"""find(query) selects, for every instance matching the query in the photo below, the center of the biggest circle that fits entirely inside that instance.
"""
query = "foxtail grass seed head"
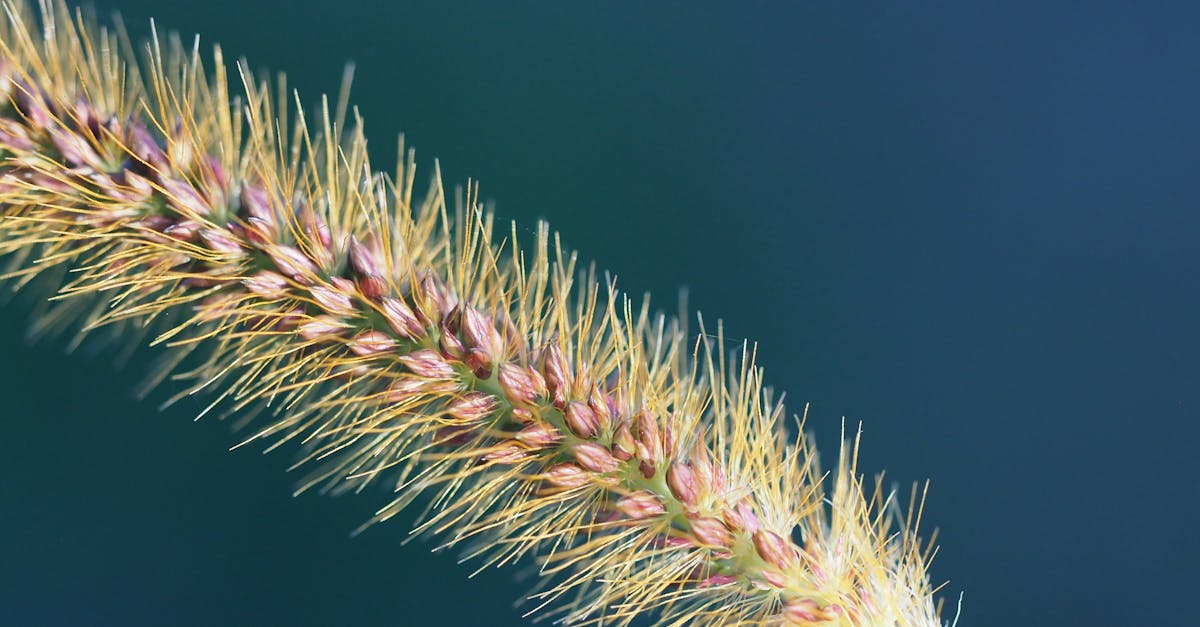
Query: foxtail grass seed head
(537, 411)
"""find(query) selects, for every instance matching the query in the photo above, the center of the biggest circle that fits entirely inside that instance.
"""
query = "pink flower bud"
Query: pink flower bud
(183, 230)
(807, 612)
(321, 327)
(450, 344)
(640, 505)
(775, 578)
(539, 435)
(623, 444)
(256, 205)
(291, 262)
(333, 301)
(259, 231)
(364, 261)
(473, 406)
(145, 147)
(220, 241)
(594, 457)
(406, 388)
(52, 183)
(76, 149)
(682, 482)
(774, 549)
(401, 319)
(517, 384)
(267, 284)
(427, 363)
(748, 517)
(566, 476)
(740, 518)
(668, 440)
(679, 543)
(599, 402)
(479, 363)
(184, 198)
(649, 445)
(717, 580)
(141, 187)
(539, 382)
(506, 453)
(346, 286)
(581, 420)
(312, 224)
(371, 287)
(481, 334)
(711, 532)
(437, 302)
(557, 375)
(214, 176)
(371, 343)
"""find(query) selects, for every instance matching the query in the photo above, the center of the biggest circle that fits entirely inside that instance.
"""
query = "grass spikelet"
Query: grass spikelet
(533, 410)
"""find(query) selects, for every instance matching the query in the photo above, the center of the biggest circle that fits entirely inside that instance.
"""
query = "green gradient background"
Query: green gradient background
(971, 228)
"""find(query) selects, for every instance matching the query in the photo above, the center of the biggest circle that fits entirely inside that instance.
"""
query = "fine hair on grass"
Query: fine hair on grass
(394, 336)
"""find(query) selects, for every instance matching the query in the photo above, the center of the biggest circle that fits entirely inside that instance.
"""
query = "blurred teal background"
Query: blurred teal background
(971, 226)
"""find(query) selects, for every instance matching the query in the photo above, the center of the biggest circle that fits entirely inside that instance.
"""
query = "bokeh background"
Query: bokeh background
(970, 226)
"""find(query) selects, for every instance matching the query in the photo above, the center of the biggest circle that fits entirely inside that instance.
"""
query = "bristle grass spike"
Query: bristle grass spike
(531, 409)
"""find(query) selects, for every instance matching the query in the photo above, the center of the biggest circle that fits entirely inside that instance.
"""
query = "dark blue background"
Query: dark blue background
(972, 228)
